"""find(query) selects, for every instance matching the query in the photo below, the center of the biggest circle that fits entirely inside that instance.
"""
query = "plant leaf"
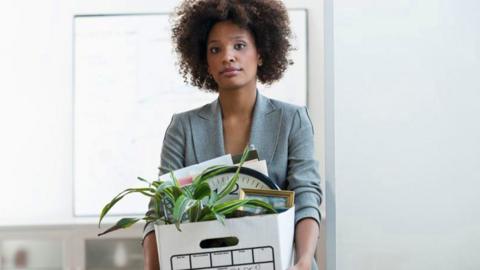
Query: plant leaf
(201, 190)
(121, 224)
(223, 208)
(174, 179)
(164, 185)
(229, 207)
(212, 200)
(220, 218)
(182, 205)
(194, 212)
(211, 172)
(262, 204)
(117, 198)
(233, 181)
(170, 190)
(144, 180)
(205, 172)
(229, 187)
(204, 212)
(188, 191)
(168, 194)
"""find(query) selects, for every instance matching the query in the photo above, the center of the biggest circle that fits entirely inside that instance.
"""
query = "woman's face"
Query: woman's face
(232, 56)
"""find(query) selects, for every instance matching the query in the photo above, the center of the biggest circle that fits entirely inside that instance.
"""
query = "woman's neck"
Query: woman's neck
(237, 103)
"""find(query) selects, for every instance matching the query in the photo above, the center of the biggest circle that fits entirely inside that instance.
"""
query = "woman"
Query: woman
(225, 46)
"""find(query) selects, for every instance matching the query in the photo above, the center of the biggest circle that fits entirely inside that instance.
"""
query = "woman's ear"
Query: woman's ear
(259, 60)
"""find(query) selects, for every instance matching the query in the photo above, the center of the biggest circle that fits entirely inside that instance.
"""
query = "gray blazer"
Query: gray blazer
(282, 134)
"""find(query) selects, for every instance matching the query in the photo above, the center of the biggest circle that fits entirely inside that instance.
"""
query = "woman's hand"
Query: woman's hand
(306, 235)
(301, 265)
(150, 253)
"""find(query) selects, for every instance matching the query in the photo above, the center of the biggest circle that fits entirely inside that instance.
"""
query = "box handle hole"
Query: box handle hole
(219, 242)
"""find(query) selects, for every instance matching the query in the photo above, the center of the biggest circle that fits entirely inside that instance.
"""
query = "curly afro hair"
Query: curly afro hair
(267, 20)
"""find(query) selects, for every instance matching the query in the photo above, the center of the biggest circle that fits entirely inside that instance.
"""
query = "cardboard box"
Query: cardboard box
(265, 242)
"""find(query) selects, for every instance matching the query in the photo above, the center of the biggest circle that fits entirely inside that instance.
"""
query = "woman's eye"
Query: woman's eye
(214, 50)
(239, 46)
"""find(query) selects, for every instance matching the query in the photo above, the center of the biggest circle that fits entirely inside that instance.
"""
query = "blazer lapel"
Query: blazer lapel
(265, 129)
(207, 131)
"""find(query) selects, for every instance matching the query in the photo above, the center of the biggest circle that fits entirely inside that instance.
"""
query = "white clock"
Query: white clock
(247, 178)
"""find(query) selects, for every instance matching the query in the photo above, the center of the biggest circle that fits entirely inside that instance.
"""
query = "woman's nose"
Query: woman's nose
(229, 56)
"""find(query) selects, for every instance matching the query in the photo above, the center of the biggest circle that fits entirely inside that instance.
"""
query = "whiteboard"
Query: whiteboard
(126, 88)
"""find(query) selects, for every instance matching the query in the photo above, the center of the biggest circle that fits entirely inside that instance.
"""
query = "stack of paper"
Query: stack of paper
(185, 175)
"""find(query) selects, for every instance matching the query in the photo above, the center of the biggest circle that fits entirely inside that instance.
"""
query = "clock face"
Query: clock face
(247, 178)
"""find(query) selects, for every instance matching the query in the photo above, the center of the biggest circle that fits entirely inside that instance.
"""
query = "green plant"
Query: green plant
(174, 204)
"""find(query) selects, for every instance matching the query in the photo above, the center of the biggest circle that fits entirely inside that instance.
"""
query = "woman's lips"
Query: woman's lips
(230, 72)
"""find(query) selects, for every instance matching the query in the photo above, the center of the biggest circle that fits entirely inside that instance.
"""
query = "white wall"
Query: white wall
(407, 134)
(35, 111)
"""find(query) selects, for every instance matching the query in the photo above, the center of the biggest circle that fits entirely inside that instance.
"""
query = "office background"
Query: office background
(393, 91)
(37, 102)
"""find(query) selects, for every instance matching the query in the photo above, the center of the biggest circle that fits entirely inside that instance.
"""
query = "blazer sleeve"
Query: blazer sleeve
(172, 156)
(303, 169)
